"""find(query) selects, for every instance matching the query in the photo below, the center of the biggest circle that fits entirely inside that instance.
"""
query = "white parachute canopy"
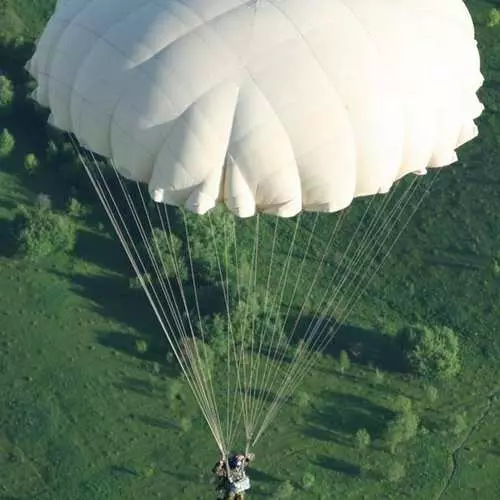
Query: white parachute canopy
(273, 105)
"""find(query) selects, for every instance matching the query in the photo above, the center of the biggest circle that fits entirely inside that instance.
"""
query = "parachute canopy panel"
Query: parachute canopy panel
(273, 105)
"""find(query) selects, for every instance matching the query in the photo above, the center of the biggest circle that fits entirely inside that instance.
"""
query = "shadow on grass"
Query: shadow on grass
(156, 422)
(139, 386)
(364, 347)
(102, 250)
(467, 261)
(6, 241)
(343, 415)
(339, 465)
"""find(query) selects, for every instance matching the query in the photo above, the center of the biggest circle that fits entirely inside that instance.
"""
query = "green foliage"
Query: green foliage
(404, 426)
(141, 346)
(40, 232)
(402, 404)
(285, 490)
(493, 18)
(344, 361)
(431, 393)
(362, 439)
(303, 399)
(378, 376)
(395, 472)
(459, 423)
(6, 92)
(77, 209)
(175, 390)
(7, 143)
(308, 480)
(208, 240)
(168, 253)
(431, 352)
(185, 424)
(30, 163)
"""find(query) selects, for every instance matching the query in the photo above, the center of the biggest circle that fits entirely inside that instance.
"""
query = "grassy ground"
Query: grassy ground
(83, 415)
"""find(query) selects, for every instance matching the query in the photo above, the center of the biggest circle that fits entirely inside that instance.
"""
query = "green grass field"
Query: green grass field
(85, 415)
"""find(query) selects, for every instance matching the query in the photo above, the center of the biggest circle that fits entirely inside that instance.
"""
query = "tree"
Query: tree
(6, 92)
(404, 426)
(40, 232)
(362, 439)
(430, 352)
(167, 251)
(344, 361)
(459, 423)
(30, 163)
(7, 143)
(395, 472)
(493, 18)
(431, 393)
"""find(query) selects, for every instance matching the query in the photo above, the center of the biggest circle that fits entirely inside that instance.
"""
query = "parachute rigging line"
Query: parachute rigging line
(260, 375)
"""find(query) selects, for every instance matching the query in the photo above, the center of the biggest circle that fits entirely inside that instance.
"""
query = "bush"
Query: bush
(30, 163)
(402, 428)
(344, 361)
(493, 18)
(284, 491)
(430, 352)
(395, 472)
(39, 232)
(6, 92)
(459, 423)
(308, 480)
(210, 238)
(431, 393)
(303, 399)
(141, 346)
(7, 143)
(168, 253)
(362, 439)
(76, 209)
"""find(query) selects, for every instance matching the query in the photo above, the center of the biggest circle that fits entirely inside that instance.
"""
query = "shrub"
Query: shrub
(431, 393)
(76, 209)
(402, 428)
(185, 424)
(30, 163)
(308, 480)
(175, 390)
(344, 361)
(7, 143)
(378, 376)
(493, 18)
(40, 232)
(6, 92)
(209, 238)
(284, 491)
(141, 346)
(362, 439)
(431, 352)
(395, 472)
(402, 404)
(167, 250)
(459, 423)
(303, 399)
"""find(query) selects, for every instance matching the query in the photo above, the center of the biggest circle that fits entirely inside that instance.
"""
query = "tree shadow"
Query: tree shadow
(143, 387)
(156, 422)
(339, 465)
(102, 251)
(364, 347)
(7, 246)
(343, 414)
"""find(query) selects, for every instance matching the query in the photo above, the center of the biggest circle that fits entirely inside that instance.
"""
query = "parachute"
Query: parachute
(274, 107)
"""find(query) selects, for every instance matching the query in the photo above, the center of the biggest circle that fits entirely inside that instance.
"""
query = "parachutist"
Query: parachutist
(232, 480)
